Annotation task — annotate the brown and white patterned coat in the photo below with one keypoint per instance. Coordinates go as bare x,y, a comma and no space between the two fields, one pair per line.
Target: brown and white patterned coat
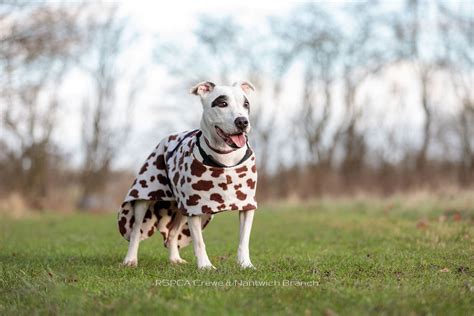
177,182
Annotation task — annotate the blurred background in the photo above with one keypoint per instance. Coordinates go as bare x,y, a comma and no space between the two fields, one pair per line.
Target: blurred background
352,97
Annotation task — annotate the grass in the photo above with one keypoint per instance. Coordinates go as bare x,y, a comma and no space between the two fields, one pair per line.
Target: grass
357,257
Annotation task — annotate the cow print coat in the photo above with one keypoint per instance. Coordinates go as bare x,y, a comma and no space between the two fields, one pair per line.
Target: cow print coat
178,184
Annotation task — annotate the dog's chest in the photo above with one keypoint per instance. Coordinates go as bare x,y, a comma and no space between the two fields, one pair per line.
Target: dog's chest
200,188
173,173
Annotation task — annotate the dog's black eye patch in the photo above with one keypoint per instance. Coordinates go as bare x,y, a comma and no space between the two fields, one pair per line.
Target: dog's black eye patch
221,101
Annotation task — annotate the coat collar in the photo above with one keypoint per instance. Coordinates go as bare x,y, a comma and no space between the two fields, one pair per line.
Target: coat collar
209,161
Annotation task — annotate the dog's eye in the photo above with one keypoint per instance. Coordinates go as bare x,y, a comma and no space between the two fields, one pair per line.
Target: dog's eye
220,101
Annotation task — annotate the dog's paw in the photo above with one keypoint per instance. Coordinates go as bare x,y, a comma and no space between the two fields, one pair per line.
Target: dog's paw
207,267
178,260
246,264
203,263
130,262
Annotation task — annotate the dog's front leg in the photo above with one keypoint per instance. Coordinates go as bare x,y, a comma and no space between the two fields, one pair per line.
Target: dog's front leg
243,252
195,224
139,211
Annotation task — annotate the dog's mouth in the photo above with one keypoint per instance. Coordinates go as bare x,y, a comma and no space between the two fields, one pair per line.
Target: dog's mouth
237,140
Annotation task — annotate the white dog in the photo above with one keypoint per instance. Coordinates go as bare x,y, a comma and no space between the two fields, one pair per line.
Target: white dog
192,175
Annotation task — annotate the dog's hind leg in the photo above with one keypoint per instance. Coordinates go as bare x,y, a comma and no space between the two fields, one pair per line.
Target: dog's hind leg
173,239
195,227
243,252
139,210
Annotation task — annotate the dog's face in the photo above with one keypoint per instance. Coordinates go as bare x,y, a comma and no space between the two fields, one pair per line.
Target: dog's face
225,120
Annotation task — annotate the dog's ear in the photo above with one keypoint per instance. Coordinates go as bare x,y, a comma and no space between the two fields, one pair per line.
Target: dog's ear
245,86
203,88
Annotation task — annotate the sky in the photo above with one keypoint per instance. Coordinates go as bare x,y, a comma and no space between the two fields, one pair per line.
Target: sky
178,17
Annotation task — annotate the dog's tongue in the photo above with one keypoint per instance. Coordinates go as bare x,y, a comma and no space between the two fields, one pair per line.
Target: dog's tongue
238,140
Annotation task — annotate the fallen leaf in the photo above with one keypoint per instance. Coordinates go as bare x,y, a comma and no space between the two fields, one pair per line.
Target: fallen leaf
422,224
444,270
457,217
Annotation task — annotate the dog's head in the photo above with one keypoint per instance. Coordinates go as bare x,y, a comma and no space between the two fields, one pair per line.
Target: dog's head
225,120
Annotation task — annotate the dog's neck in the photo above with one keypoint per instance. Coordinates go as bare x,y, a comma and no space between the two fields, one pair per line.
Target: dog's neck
227,159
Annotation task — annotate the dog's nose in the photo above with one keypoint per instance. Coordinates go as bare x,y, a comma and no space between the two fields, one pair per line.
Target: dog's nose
241,122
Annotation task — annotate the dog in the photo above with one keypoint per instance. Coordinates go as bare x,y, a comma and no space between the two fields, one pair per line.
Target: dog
193,175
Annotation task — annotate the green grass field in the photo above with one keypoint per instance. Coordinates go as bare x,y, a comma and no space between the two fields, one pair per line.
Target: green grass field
357,258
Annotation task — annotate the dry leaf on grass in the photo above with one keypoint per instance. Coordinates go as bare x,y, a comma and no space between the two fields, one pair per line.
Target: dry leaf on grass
422,224
457,217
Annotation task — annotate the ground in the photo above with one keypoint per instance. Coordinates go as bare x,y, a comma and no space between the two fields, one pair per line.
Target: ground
354,257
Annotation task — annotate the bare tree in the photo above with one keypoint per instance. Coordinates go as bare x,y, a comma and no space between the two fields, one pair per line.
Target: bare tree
408,29
38,45
101,138
457,33
329,55
312,39
362,56
221,37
